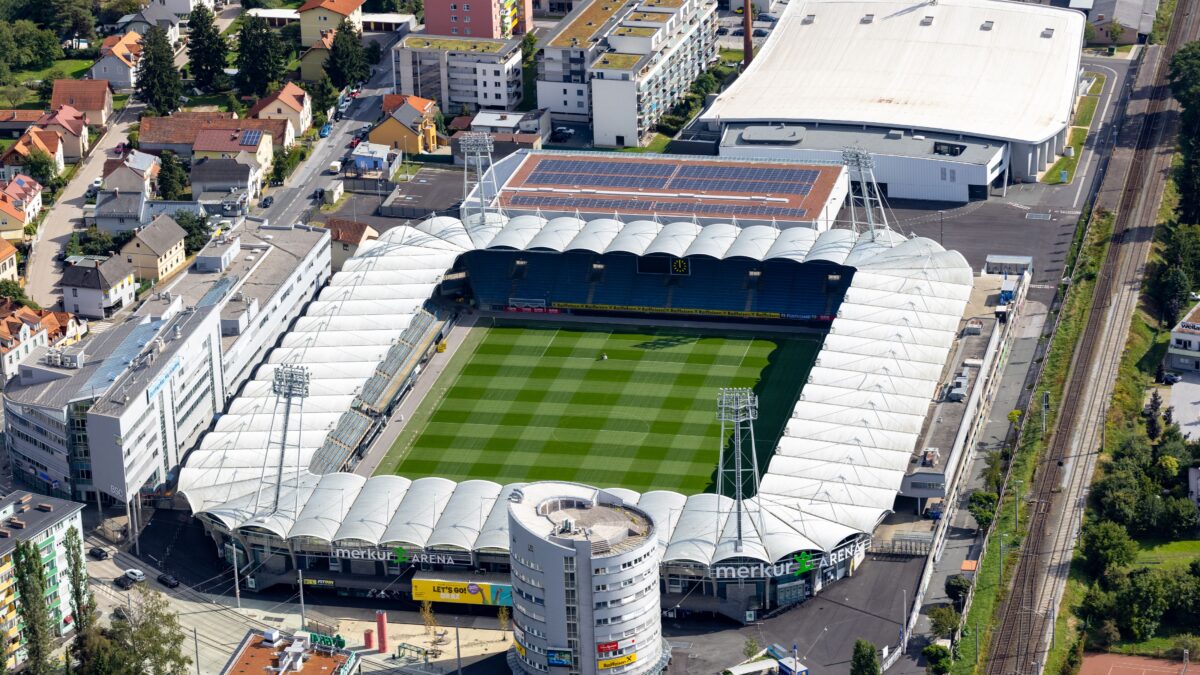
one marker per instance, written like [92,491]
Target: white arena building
[952,98]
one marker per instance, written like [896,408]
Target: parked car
[738,32]
[326,129]
[168,581]
[135,575]
[739,10]
[124,583]
[567,131]
[760,32]
[98,183]
[1171,378]
[722,31]
[355,141]
[98,553]
[267,202]
[120,149]
[763,16]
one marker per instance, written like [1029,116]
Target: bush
[982,505]
[937,659]
[957,587]
[943,620]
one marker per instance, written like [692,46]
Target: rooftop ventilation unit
[1048,33]
[809,18]
[987,25]
[867,18]
[927,21]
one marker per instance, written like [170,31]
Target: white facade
[120,75]
[584,583]
[1183,352]
[98,303]
[458,77]
[631,71]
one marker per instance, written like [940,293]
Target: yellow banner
[667,310]
[619,661]
[461,592]
[520,649]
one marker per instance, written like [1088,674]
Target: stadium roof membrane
[834,474]
[988,68]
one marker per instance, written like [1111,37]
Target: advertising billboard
[558,657]
[617,661]
[462,592]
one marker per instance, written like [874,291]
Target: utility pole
[904,619]
[237,584]
[300,575]
[196,641]
[941,227]
[457,646]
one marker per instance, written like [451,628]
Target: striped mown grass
[542,402]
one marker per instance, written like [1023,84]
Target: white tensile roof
[987,68]
[834,475]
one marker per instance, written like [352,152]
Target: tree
[324,96]
[503,617]
[41,167]
[347,62]
[1177,517]
[83,605]
[260,57]
[427,617]
[937,659]
[958,586]
[98,242]
[158,81]
[151,641]
[1174,285]
[865,659]
[750,648]
[1108,633]
[529,48]
[1106,545]
[13,291]
[1115,31]
[172,179]
[1089,33]
[373,53]
[73,246]
[943,620]
[1140,603]
[198,231]
[13,94]
[45,88]
[207,49]
[982,506]
[32,608]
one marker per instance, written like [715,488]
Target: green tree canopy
[172,179]
[260,57]
[41,167]
[151,641]
[158,81]
[865,659]
[943,620]
[198,231]
[937,659]
[207,49]
[32,608]
[1105,546]
[347,61]
[12,290]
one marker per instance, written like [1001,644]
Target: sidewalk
[961,541]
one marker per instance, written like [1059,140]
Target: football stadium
[605,302]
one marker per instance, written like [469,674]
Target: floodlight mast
[477,177]
[290,385]
[737,409]
[861,169]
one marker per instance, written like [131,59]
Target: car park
[168,581]
[97,553]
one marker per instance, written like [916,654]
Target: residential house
[135,172]
[98,288]
[156,250]
[13,123]
[90,97]
[23,330]
[176,132]
[1136,18]
[368,157]
[501,122]
[250,146]
[214,180]
[154,14]
[501,20]
[72,126]
[8,261]
[120,211]
[319,16]
[312,61]
[183,8]
[278,129]
[13,161]
[347,236]
[290,103]
[411,127]
[25,193]
[118,62]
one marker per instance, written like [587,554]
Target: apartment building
[460,74]
[108,419]
[44,521]
[480,18]
[622,66]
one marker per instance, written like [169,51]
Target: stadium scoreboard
[659,264]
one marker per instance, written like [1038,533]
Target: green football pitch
[524,403]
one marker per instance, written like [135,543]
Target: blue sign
[162,379]
[559,657]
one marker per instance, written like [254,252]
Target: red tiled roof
[81,94]
[7,250]
[291,95]
[46,140]
[127,47]
[27,116]
[223,140]
[178,129]
[392,102]
[277,128]
[348,231]
[343,7]
[66,117]
[21,187]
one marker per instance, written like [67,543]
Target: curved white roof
[984,68]
[834,474]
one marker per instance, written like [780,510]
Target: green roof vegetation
[635,31]
[655,17]
[616,61]
[589,21]
[454,44]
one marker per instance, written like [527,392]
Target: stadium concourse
[280,499]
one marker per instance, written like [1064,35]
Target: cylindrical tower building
[585,583]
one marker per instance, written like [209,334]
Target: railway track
[1025,632]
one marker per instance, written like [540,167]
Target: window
[564,91]
[74,292]
[497,97]
[468,30]
[453,7]
[579,104]
[466,19]
[345,247]
[467,7]
[454,31]
[579,92]
[453,19]
[496,73]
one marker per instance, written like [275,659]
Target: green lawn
[1098,80]
[657,144]
[521,403]
[120,101]
[1167,554]
[1086,111]
[1069,164]
[72,68]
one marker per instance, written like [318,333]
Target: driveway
[1184,396]
[42,275]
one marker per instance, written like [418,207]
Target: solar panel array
[658,206]
[672,176]
[251,137]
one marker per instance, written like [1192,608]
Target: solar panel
[251,137]
[658,206]
[540,177]
[612,167]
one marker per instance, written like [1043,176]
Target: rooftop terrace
[617,61]
[478,45]
[587,23]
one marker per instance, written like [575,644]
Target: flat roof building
[460,72]
[973,83]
